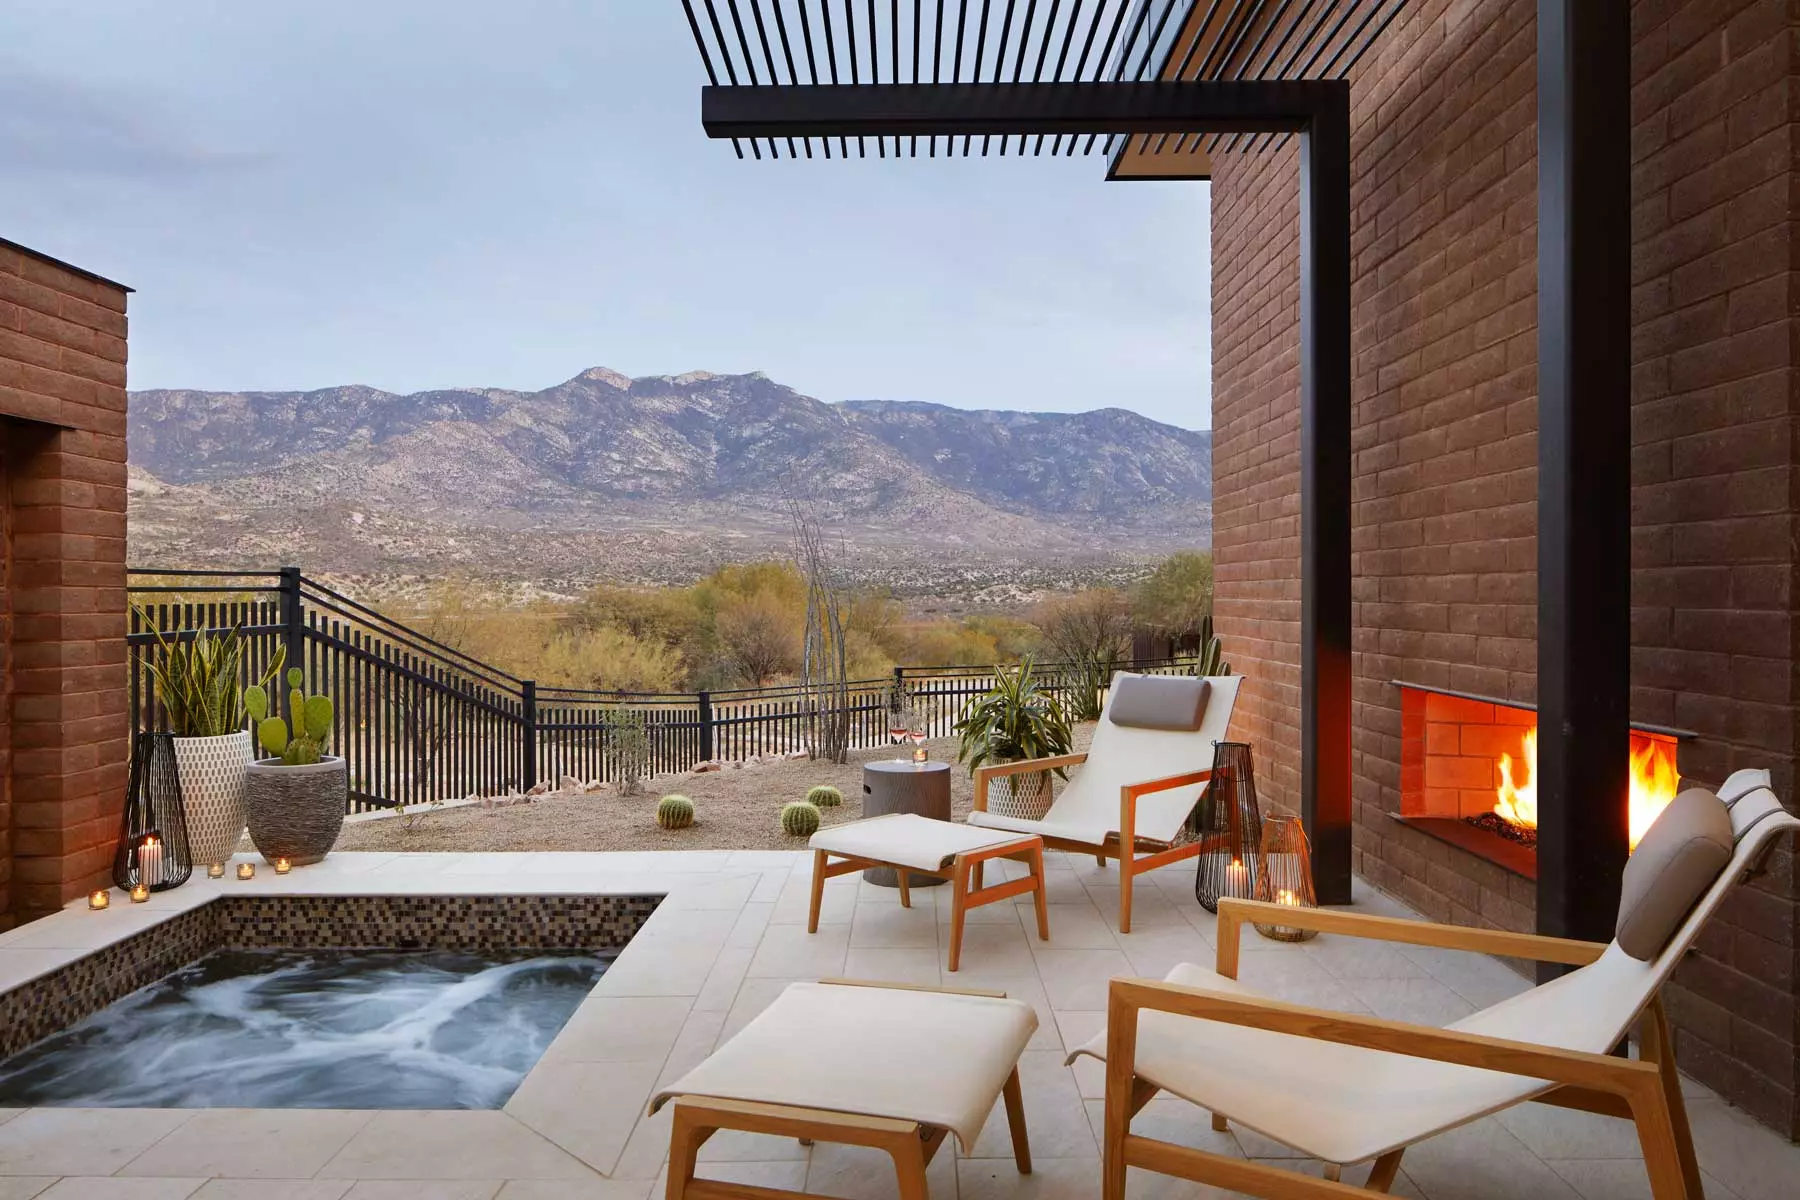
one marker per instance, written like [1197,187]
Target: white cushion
[907,840]
[933,1057]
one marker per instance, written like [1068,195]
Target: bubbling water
[327,1029]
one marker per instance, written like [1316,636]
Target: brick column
[62,445]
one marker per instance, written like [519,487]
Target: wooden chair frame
[1646,1091]
[965,880]
[910,1144]
[1124,845]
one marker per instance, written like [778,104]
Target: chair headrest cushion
[1172,702]
[1679,858]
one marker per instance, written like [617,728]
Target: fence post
[529,734]
[293,630]
[707,747]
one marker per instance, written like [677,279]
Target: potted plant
[296,795]
[1013,721]
[198,683]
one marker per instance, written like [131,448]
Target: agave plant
[199,682]
[1014,720]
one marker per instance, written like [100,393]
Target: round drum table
[898,786]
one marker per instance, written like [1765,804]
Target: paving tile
[588,1109]
[1066,1179]
[1747,1157]
[1477,978]
[26,963]
[889,926]
[249,1143]
[747,930]
[788,950]
[272,1189]
[576,1189]
[861,1173]
[897,966]
[24,1187]
[1482,1161]
[1153,953]
[1073,927]
[620,1029]
[658,968]
[76,1141]
[699,1034]
[1360,958]
[995,950]
[7,1114]
[1055,1120]
[720,990]
[1625,1179]
[789,1175]
[1552,1133]
[452,1145]
[424,1189]
[1168,1119]
[1075,1029]
[113,1188]
[1077,979]
[756,995]
[1416,1001]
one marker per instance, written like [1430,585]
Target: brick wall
[63,736]
[1444,443]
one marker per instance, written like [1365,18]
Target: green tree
[1176,597]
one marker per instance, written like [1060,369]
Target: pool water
[313,1029]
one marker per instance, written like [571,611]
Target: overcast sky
[427,193]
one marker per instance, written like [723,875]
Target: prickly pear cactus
[312,716]
[824,796]
[675,812]
[800,819]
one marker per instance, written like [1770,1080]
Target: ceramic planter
[296,812]
[212,770]
[1026,796]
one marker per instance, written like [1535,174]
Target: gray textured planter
[296,813]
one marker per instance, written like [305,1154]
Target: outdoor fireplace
[1468,773]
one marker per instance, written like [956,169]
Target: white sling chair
[1347,1089]
[1138,782]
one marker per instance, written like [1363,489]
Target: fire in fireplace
[1468,768]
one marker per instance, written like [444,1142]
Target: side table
[900,786]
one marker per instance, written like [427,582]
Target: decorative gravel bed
[737,808]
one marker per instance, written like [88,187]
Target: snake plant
[199,681]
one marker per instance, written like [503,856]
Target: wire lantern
[1228,825]
[1287,875]
[153,842]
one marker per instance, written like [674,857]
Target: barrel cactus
[674,812]
[312,716]
[824,796]
[800,819]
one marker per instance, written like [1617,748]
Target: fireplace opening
[1468,774]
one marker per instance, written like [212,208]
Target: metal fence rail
[418,721]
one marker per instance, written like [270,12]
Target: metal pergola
[1162,86]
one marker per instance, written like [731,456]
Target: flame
[1653,784]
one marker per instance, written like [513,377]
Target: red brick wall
[1444,443]
[62,415]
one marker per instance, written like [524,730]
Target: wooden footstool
[889,1066]
[939,848]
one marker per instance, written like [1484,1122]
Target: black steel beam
[1325,493]
[1265,106]
[1584,477]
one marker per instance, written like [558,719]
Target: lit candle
[150,856]
[1235,879]
[216,871]
[920,754]
[1286,897]
[283,866]
[139,893]
[99,899]
[246,870]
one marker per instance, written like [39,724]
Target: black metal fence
[419,721]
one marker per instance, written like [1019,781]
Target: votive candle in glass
[139,893]
[283,866]
[216,871]
[99,898]
[246,870]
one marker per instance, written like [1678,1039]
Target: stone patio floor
[729,936]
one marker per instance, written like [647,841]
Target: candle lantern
[139,893]
[246,870]
[99,898]
[283,866]
[920,754]
[1287,875]
[216,871]
[153,844]
[1228,825]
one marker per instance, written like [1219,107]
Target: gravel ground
[734,809]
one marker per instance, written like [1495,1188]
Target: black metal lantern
[1228,825]
[153,842]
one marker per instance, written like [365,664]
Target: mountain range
[654,479]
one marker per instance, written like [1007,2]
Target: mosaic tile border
[57,999]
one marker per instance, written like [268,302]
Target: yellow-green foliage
[674,812]
[799,819]
[824,796]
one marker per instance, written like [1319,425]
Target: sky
[418,194]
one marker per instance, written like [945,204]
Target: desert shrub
[630,748]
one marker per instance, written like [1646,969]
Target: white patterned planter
[1026,797]
[212,773]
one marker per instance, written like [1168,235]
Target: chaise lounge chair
[1347,1089]
[1146,769]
